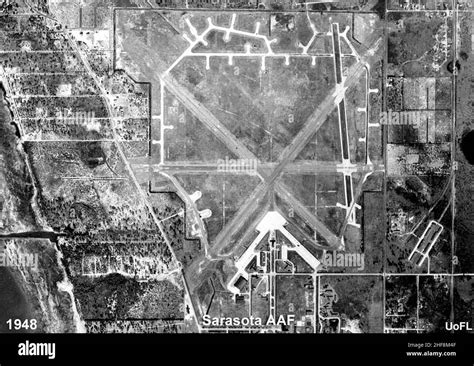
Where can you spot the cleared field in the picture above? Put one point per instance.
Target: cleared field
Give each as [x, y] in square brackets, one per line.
[222, 194]
[264, 110]
[359, 302]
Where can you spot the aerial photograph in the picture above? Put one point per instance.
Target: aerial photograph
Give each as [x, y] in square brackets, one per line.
[238, 168]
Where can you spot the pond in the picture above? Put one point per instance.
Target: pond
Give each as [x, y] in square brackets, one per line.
[467, 147]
